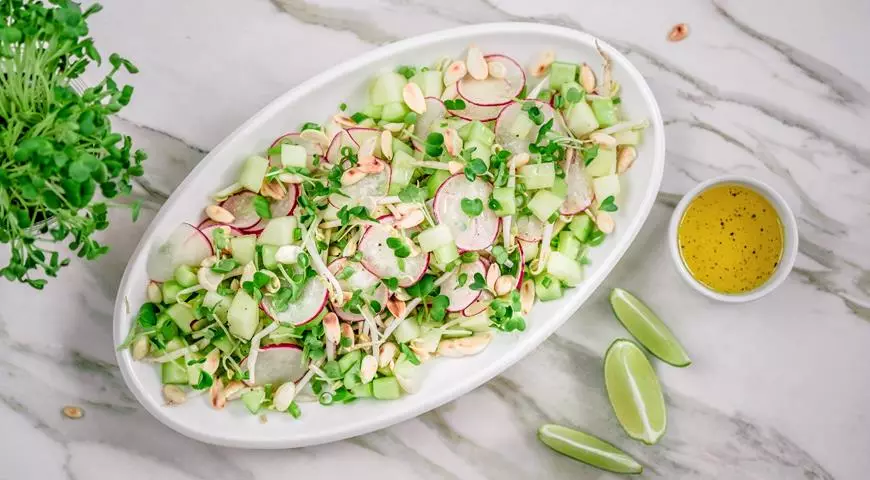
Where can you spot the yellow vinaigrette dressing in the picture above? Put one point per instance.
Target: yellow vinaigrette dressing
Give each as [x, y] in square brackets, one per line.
[730, 238]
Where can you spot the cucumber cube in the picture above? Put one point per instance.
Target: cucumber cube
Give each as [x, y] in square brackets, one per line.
[537, 175]
[564, 268]
[348, 360]
[581, 120]
[521, 127]
[253, 172]
[373, 111]
[476, 323]
[293, 156]
[481, 151]
[603, 164]
[432, 238]
[243, 248]
[605, 111]
[561, 73]
[278, 232]
[581, 227]
[567, 87]
[224, 344]
[387, 88]
[362, 391]
[605, 187]
[268, 255]
[253, 400]
[530, 250]
[400, 146]
[568, 244]
[182, 315]
[477, 131]
[506, 200]
[627, 137]
[170, 290]
[547, 288]
[386, 388]
[243, 316]
[174, 372]
[184, 276]
[544, 204]
[435, 180]
[430, 83]
[394, 111]
[403, 170]
[560, 187]
[446, 253]
[407, 331]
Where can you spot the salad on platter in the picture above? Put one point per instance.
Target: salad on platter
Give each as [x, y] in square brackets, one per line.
[348, 255]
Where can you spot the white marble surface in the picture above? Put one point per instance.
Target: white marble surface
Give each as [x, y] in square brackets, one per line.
[779, 388]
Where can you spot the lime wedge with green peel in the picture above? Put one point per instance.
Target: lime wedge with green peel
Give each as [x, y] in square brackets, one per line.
[588, 449]
[647, 328]
[634, 392]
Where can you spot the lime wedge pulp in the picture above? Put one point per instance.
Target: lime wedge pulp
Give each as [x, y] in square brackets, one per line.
[634, 392]
[587, 449]
[647, 328]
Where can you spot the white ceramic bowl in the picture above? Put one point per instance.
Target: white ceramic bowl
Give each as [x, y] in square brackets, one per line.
[316, 99]
[789, 231]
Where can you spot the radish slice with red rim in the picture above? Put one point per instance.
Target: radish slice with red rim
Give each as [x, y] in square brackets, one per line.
[529, 228]
[372, 185]
[492, 91]
[476, 112]
[485, 296]
[279, 363]
[294, 138]
[307, 308]
[241, 205]
[463, 296]
[435, 113]
[579, 194]
[208, 227]
[333, 153]
[469, 233]
[186, 245]
[360, 279]
[278, 208]
[506, 119]
[379, 258]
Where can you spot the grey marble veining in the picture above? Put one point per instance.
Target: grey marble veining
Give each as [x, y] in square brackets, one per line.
[778, 388]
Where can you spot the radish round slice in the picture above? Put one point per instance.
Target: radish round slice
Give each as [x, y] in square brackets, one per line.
[294, 138]
[508, 117]
[279, 363]
[280, 208]
[470, 310]
[208, 226]
[187, 245]
[435, 113]
[529, 228]
[333, 153]
[372, 185]
[469, 233]
[480, 113]
[379, 259]
[304, 310]
[462, 297]
[360, 279]
[241, 206]
[579, 194]
[493, 91]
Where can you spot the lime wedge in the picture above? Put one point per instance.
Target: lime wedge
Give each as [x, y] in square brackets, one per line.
[647, 328]
[634, 392]
[588, 449]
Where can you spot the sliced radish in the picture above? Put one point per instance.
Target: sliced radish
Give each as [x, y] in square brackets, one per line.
[372, 185]
[294, 138]
[279, 363]
[241, 205]
[494, 91]
[462, 297]
[508, 117]
[208, 226]
[529, 228]
[471, 310]
[476, 112]
[187, 245]
[280, 208]
[435, 113]
[361, 134]
[579, 193]
[360, 279]
[469, 233]
[333, 153]
[307, 308]
[379, 259]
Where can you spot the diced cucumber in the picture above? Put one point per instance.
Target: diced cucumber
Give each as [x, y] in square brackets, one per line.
[174, 372]
[530, 250]
[568, 244]
[387, 88]
[544, 204]
[605, 187]
[170, 289]
[446, 253]
[537, 175]
[253, 399]
[507, 202]
[521, 127]
[603, 164]
[456, 333]
[184, 276]
[373, 111]
[182, 315]
[476, 323]
[430, 83]
[386, 388]
[243, 316]
[293, 156]
[435, 237]
[566, 87]
[477, 131]
[253, 172]
[560, 187]
[351, 379]
[400, 146]
[581, 227]
[224, 344]
[278, 232]
[435, 180]
[481, 151]
[394, 112]
[547, 288]
[561, 73]
[268, 255]
[406, 331]
[564, 268]
[348, 360]
[580, 119]
[402, 170]
[627, 137]
[362, 391]
[193, 369]
[605, 111]
[244, 248]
